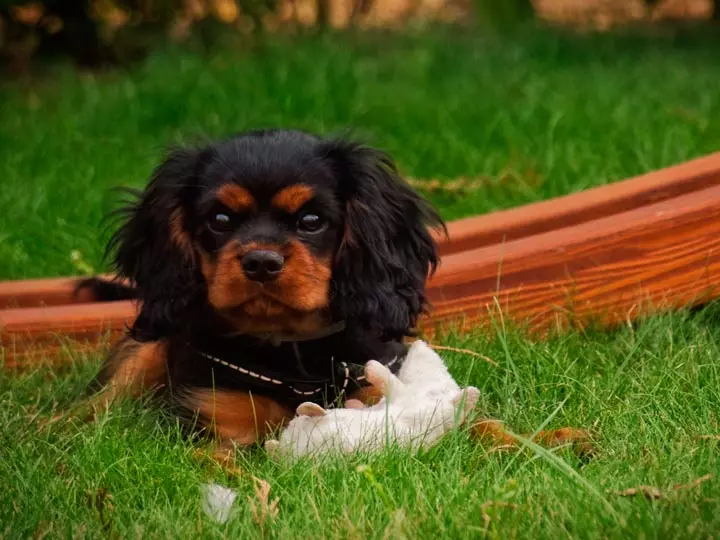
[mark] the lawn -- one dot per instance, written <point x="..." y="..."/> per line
<point x="529" y="118"/>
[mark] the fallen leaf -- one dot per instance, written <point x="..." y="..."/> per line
<point x="694" y="483"/>
<point x="458" y="186"/>
<point x="649" y="492"/>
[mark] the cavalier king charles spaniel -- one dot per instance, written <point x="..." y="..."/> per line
<point x="270" y="268"/>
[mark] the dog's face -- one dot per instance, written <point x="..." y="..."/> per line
<point x="265" y="230"/>
<point x="278" y="232"/>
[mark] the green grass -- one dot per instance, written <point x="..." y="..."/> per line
<point x="538" y="116"/>
<point x="648" y="394"/>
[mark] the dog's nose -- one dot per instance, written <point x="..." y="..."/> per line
<point x="262" y="265"/>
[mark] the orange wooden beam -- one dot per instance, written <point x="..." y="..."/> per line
<point x="40" y="292"/>
<point x="607" y="254"/>
<point x="620" y="267"/>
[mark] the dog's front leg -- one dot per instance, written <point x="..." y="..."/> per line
<point x="130" y="369"/>
<point x="233" y="417"/>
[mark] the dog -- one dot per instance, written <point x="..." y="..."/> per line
<point x="270" y="267"/>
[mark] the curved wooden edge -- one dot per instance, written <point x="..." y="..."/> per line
<point x="29" y="334"/>
<point x="618" y="268"/>
<point x="41" y="292"/>
<point x="610" y="270"/>
<point x="588" y="205"/>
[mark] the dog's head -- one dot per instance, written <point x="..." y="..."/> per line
<point x="278" y="232"/>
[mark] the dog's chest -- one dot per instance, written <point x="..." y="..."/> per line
<point x="322" y="371"/>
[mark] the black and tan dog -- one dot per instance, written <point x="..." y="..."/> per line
<point x="271" y="267"/>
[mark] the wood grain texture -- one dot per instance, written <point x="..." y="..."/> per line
<point x="606" y="255"/>
<point x="39" y="292"/>
<point x="612" y="269"/>
<point x="28" y="334"/>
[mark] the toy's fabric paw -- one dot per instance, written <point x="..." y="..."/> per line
<point x="466" y="400"/>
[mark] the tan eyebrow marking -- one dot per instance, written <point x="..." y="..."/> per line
<point x="291" y="199"/>
<point x="236" y="198"/>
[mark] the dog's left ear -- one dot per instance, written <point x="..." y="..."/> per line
<point x="153" y="247"/>
<point x="386" y="252"/>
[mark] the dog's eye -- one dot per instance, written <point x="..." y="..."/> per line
<point x="310" y="223"/>
<point x="219" y="223"/>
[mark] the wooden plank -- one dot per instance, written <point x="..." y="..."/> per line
<point x="616" y="268"/>
<point x="613" y="269"/>
<point x="40" y="292"/>
<point x="27" y="334"/>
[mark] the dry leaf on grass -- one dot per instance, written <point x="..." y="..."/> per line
<point x="261" y="506"/>
<point x="459" y="185"/>
<point x="652" y="492"/>
<point x="649" y="492"/>
<point x="694" y="483"/>
<point x="709" y="437"/>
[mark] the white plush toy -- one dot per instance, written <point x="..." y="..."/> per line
<point x="420" y="405"/>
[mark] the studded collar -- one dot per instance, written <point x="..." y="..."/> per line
<point x="347" y="372"/>
<point x="332" y="383"/>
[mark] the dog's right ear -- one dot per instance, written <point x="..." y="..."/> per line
<point x="154" y="249"/>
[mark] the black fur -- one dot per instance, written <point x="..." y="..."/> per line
<point x="165" y="279"/>
<point x="387" y="253"/>
<point x="378" y="239"/>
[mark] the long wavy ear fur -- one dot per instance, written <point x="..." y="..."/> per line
<point x="386" y="252"/>
<point x="153" y="250"/>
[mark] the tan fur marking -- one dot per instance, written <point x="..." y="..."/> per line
<point x="494" y="434"/>
<point x="292" y="198"/>
<point x="237" y="416"/>
<point x="134" y="368"/>
<point x="294" y="303"/>
<point x="236" y="198"/>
